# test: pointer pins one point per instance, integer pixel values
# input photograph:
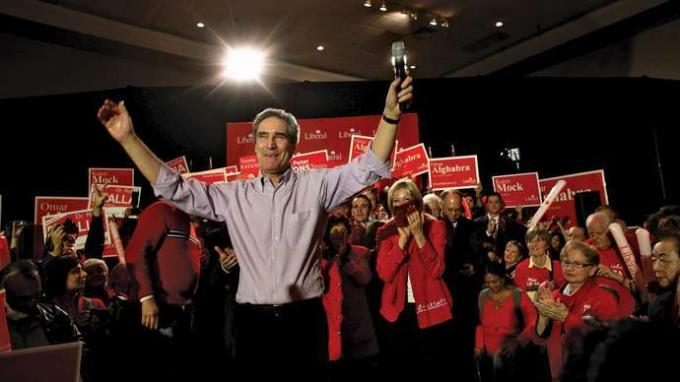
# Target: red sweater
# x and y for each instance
(358, 271)
(528, 279)
(611, 258)
(164, 255)
(424, 265)
(589, 300)
(498, 323)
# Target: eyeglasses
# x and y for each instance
(575, 264)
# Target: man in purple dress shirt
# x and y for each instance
(276, 221)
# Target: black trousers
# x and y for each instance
(289, 338)
(407, 350)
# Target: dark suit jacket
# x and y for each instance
(507, 230)
(458, 246)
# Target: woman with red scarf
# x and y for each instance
(415, 300)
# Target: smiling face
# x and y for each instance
(273, 147)
(494, 282)
(537, 247)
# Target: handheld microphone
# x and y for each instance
(399, 60)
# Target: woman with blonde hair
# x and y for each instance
(416, 302)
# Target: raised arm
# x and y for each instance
(387, 131)
(115, 117)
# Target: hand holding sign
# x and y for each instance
(98, 199)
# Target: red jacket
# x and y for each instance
(589, 300)
(425, 266)
(528, 279)
(356, 271)
(164, 255)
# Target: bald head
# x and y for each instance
(452, 205)
(577, 233)
(598, 219)
(598, 229)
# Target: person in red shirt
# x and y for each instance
(538, 267)
(415, 300)
(612, 265)
(581, 299)
(504, 312)
(351, 336)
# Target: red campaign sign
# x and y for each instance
(309, 161)
(52, 205)
(120, 199)
(359, 144)
(564, 204)
(411, 161)
(249, 167)
(518, 190)
(120, 196)
(208, 177)
(81, 218)
(179, 165)
(332, 134)
(110, 249)
(233, 174)
(114, 176)
(454, 172)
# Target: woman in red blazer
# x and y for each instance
(415, 300)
